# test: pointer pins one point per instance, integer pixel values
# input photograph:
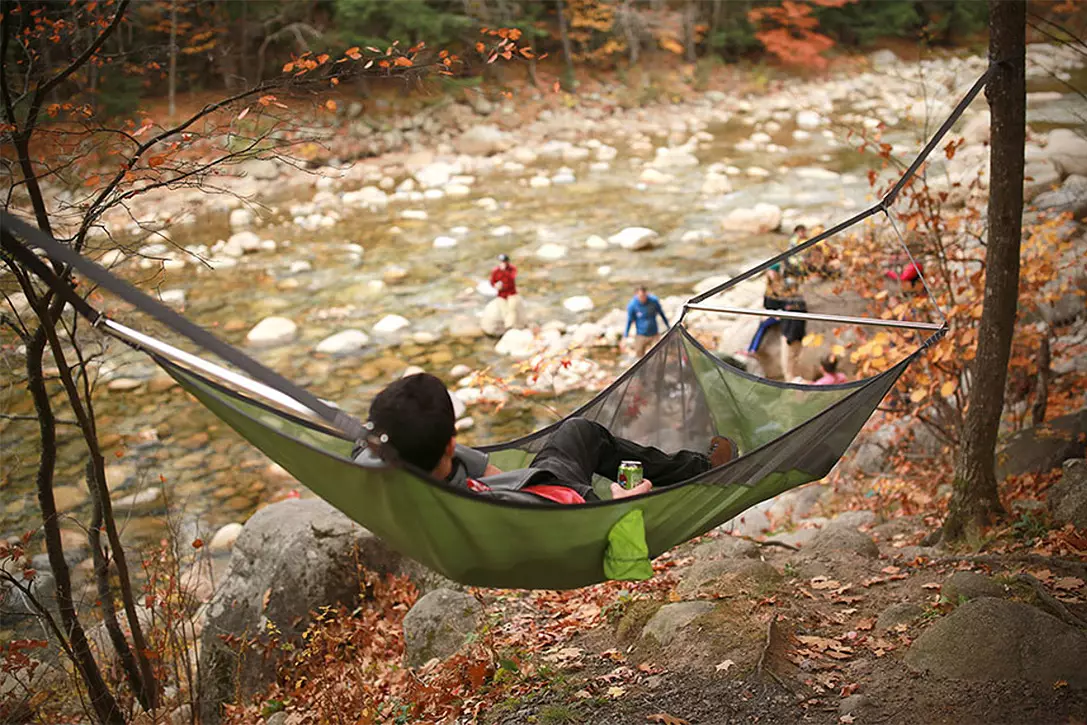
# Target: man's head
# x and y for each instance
(830, 364)
(504, 260)
(417, 415)
(641, 293)
(800, 230)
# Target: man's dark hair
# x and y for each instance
(830, 363)
(799, 228)
(641, 288)
(417, 415)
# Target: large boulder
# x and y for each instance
(291, 558)
(438, 625)
(1072, 197)
(962, 586)
(671, 618)
(1068, 151)
(990, 639)
(1039, 177)
(1044, 447)
(837, 540)
(1067, 499)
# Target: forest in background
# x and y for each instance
(212, 45)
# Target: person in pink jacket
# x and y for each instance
(831, 375)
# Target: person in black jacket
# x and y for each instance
(416, 414)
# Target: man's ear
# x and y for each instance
(451, 446)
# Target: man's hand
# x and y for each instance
(491, 470)
(644, 487)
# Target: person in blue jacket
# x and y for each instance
(642, 314)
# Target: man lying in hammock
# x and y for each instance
(416, 414)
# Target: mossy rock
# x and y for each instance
(635, 617)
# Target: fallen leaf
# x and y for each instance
(723, 666)
(583, 694)
(615, 692)
(1068, 583)
(931, 585)
(849, 689)
(821, 582)
(664, 718)
(866, 624)
(1059, 684)
(890, 570)
(846, 719)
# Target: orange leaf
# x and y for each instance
(663, 718)
(322, 58)
(403, 62)
(93, 181)
(479, 47)
(288, 67)
(918, 395)
(948, 388)
(156, 161)
(330, 105)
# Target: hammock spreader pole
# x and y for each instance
(15, 229)
(229, 378)
(843, 319)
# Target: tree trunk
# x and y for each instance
(568, 74)
(974, 501)
(690, 19)
(102, 701)
(172, 91)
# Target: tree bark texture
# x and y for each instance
(974, 501)
(567, 52)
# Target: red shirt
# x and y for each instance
(506, 277)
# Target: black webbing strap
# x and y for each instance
(884, 203)
(15, 229)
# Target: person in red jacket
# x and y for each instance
(506, 309)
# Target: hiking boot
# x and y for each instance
(722, 450)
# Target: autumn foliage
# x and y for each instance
(789, 31)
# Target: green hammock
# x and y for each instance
(676, 397)
(794, 434)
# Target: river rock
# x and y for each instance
(390, 324)
(259, 169)
(596, 242)
(551, 251)
(482, 140)
(439, 624)
(343, 342)
(460, 371)
(883, 59)
(671, 618)
(516, 343)
(435, 175)
(715, 184)
(444, 242)
(725, 576)
(368, 197)
(808, 120)
(141, 502)
(241, 243)
(173, 297)
(578, 303)
(241, 218)
(1068, 151)
(653, 176)
(673, 158)
(224, 538)
(272, 331)
(539, 182)
(976, 130)
(1067, 499)
(990, 640)
(634, 238)
(758, 220)
(1039, 177)
(291, 559)
(1071, 197)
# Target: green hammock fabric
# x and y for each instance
(675, 397)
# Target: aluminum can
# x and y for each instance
(630, 474)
